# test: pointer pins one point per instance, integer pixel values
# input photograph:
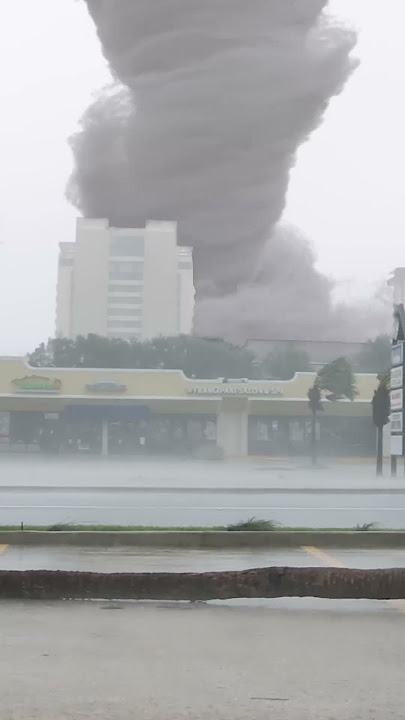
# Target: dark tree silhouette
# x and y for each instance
(337, 379)
(197, 357)
(375, 356)
(314, 397)
(381, 414)
(284, 362)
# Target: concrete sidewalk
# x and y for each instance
(109, 661)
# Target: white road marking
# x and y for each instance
(209, 507)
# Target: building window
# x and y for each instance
(120, 275)
(125, 300)
(125, 272)
(133, 288)
(126, 265)
(124, 324)
(127, 246)
(128, 336)
(135, 311)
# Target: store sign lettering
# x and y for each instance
(397, 422)
(231, 390)
(396, 398)
(397, 355)
(397, 445)
(106, 386)
(397, 377)
(37, 384)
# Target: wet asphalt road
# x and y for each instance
(75, 661)
(287, 658)
(38, 491)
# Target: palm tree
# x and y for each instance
(381, 414)
(314, 397)
(337, 379)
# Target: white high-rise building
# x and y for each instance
(397, 282)
(124, 282)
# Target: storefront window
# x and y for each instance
(210, 431)
(262, 431)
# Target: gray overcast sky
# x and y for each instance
(345, 191)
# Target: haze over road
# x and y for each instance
(43, 491)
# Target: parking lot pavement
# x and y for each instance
(289, 658)
(167, 661)
(133, 559)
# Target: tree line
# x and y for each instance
(197, 357)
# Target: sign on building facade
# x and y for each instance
(397, 383)
(36, 384)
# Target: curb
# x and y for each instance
(198, 540)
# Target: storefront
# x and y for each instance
(337, 436)
(163, 412)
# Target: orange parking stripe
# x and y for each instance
(323, 556)
(330, 561)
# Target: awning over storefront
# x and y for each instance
(123, 413)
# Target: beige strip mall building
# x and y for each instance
(58, 410)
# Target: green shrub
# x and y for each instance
(253, 525)
(60, 527)
(367, 526)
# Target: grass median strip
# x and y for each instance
(72, 527)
